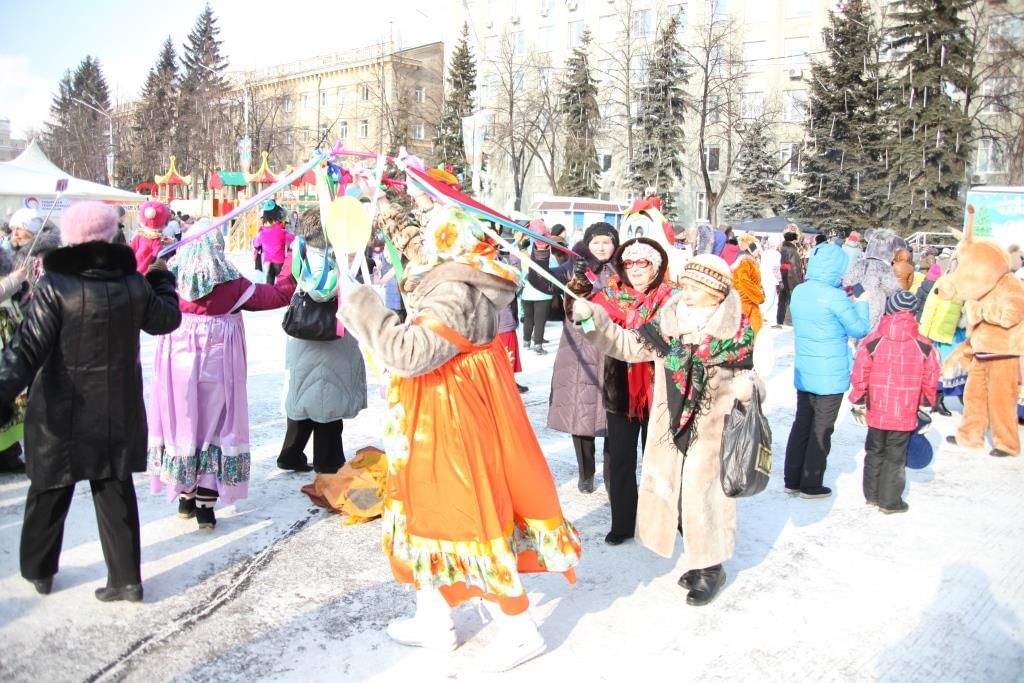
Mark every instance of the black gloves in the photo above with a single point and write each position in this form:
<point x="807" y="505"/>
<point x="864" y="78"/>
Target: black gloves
<point x="580" y="268"/>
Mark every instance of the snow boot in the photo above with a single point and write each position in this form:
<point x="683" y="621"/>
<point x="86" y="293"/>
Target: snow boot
<point x="706" y="585"/>
<point x="430" y="627"/>
<point x="899" y="507"/>
<point x="187" y="505"/>
<point x="688" y="578"/>
<point x="516" y="642"/>
<point x="940" y="406"/>
<point x="42" y="586"/>
<point x="584" y="447"/>
<point x="539" y="350"/>
<point x="816" y="492"/>
<point x="129" y="593"/>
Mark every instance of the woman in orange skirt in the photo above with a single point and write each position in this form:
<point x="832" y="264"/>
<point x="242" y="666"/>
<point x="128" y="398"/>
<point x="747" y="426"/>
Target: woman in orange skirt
<point x="471" y="504"/>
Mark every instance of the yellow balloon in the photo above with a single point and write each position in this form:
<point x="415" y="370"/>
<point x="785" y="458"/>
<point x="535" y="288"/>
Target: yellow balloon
<point x="348" y="225"/>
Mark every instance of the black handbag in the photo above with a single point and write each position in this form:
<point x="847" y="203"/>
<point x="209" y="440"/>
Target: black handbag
<point x="746" y="449"/>
<point x="308" y="319"/>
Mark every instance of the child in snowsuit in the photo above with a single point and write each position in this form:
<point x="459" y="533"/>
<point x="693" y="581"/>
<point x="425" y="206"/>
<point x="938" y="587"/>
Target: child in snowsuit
<point x="895" y="371"/>
<point x="148" y="240"/>
<point x="272" y="242"/>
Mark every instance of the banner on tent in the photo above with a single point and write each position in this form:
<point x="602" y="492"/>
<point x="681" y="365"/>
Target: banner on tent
<point x="43" y="205"/>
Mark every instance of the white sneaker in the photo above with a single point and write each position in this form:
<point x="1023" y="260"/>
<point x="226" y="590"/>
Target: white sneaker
<point x="431" y="627"/>
<point x="517" y="641"/>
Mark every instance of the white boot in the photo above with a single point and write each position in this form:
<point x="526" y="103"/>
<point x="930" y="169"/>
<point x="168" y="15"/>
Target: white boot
<point x="431" y="627"/>
<point x="516" y="641"/>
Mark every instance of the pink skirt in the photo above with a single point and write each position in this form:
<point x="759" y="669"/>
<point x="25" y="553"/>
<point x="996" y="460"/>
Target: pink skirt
<point x="198" y="410"/>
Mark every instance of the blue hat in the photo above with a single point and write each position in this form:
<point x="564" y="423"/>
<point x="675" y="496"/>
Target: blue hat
<point x="269" y="205"/>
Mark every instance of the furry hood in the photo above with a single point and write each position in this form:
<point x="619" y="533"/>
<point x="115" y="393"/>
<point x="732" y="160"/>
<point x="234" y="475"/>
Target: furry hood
<point x="48" y="240"/>
<point x="6" y="262"/>
<point x="723" y="323"/>
<point x="97" y="260"/>
<point x="498" y="290"/>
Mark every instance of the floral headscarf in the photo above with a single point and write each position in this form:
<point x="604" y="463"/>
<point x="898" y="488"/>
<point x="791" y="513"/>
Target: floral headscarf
<point x="202" y="265"/>
<point x="453" y="235"/>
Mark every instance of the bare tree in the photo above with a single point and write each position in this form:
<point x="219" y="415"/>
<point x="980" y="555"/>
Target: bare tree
<point x="545" y="132"/>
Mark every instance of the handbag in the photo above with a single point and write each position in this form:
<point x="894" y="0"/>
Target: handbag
<point x="307" y="318"/>
<point x="746" y="449"/>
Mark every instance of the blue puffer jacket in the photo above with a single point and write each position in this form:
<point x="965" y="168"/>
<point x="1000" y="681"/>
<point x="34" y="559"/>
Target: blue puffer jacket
<point x="823" y="320"/>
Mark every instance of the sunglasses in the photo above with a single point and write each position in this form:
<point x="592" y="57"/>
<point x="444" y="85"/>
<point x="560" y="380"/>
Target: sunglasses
<point x="639" y="263"/>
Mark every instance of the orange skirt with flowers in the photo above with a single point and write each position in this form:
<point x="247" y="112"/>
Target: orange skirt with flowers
<point x="471" y="503"/>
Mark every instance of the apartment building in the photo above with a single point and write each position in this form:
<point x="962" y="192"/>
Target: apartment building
<point x="776" y="41"/>
<point x="9" y="147"/>
<point x="365" y="97"/>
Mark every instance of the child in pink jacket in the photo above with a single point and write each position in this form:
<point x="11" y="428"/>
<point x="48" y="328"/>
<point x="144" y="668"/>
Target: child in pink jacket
<point x="272" y="241"/>
<point x="895" y="372"/>
<point x="148" y="240"/>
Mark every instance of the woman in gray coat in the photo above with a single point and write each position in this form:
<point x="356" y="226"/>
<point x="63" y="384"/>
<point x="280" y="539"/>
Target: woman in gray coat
<point x="576" y="405"/>
<point x="326" y="379"/>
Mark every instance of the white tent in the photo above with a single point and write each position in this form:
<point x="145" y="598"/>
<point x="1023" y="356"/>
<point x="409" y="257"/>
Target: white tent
<point x="31" y="179"/>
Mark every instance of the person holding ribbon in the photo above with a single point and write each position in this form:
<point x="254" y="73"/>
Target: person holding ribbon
<point x="198" y="407"/>
<point x="702" y="349"/>
<point x="471" y="504"/>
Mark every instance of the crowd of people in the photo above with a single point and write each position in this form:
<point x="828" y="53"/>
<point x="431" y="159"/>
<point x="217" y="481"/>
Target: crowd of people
<point x="656" y="346"/>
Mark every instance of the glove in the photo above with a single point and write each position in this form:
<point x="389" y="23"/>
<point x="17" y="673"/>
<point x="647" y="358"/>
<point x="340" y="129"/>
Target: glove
<point x="159" y="264"/>
<point x="924" y="421"/>
<point x="579" y="270"/>
<point x="859" y="413"/>
<point x="582" y="310"/>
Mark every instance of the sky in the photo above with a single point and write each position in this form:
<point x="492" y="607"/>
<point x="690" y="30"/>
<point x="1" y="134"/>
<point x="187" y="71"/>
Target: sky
<point x="53" y="36"/>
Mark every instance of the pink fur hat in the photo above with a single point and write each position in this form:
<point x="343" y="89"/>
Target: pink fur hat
<point x="154" y="215"/>
<point x="88" y="222"/>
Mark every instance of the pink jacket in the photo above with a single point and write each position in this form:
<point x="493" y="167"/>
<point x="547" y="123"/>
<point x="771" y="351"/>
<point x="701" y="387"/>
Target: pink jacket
<point x="895" y="371"/>
<point x="146" y="250"/>
<point x="275" y="240"/>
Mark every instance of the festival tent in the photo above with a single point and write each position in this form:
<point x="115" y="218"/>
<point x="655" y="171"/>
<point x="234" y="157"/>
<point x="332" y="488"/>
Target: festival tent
<point x="31" y="178"/>
<point x="774" y="225"/>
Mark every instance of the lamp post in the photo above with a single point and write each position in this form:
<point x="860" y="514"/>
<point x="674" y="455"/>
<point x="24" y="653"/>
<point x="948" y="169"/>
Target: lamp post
<point x="110" y="137"/>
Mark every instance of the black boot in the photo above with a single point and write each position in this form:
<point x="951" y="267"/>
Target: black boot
<point x="130" y="593"/>
<point x="687" y="579"/>
<point x="940" y="406"/>
<point x="10" y="460"/>
<point x="584" y="446"/>
<point x="43" y="586"/>
<point x="706" y="586"/>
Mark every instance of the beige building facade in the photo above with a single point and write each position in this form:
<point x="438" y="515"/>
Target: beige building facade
<point x="9" y="147"/>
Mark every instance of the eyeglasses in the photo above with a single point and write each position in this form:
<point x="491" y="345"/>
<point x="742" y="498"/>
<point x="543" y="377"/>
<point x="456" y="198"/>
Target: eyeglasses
<point x="639" y="263"/>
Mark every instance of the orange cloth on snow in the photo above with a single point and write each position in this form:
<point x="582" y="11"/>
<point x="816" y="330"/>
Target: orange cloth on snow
<point x="471" y="502"/>
<point x="746" y="280"/>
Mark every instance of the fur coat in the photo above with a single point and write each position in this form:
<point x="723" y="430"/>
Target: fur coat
<point x="673" y="482"/>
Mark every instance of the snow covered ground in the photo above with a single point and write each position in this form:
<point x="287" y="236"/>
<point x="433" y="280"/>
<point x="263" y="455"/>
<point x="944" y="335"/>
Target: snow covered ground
<point x="281" y="591"/>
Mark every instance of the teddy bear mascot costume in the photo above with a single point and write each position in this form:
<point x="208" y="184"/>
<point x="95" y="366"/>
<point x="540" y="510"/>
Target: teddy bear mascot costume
<point x="994" y="305"/>
<point x="470" y="502"/>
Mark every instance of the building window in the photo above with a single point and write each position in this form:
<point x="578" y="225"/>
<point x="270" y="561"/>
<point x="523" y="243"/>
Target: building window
<point x="714" y="108"/>
<point x="364" y="128"/>
<point x="795" y="8"/>
<point x="751" y="105"/>
<point x="364" y="93"/>
<point x="419" y="131"/>
<point x="306" y="101"/>
<point x="643" y="23"/>
<point x="605" y="159"/>
<point x="701" y="206"/>
<point x="639" y="69"/>
<point x="546" y="6"/>
<point x="608" y="28"/>
<point x="419" y="94"/>
<point x="712" y="155"/>
<point x="538" y="169"/>
<point x="289" y="105"/>
<point x="681" y="10"/>
<point x="718" y="9"/>
<point x="343" y="129"/>
<point x="1005" y="32"/>
<point x="323" y="99"/>
<point x="288" y="138"/>
<point x="519" y="43"/>
<point x="716" y="60"/>
<point x="605" y="196"/>
<point x="796" y="52"/>
<point x="794" y="105"/>
<point x="991" y="156"/>
<point x="790" y="160"/>
<point x="755" y="54"/>
<point x="545" y="39"/>
<point x="492" y="47"/>
<point x="576" y="29"/>
<point x="996" y="93"/>
<point x="323" y="132"/>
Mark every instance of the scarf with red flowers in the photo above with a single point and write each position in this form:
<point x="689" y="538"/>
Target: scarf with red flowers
<point x="631" y="309"/>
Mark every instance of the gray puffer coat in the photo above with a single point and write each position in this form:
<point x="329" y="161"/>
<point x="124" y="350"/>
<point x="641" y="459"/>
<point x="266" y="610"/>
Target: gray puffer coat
<point x="576" y="403"/>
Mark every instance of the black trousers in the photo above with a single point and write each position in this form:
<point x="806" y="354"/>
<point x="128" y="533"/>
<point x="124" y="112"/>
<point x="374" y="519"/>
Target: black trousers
<point x="328" y="452"/>
<point x="885" y="460"/>
<point x="810" y="439"/>
<point x="273" y="269"/>
<point x="783" y="305"/>
<point x="117" y="515"/>
<point x="535" y="314"/>
<point x="620" y="454"/>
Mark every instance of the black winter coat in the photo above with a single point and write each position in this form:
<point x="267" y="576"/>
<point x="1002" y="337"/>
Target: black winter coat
<point x="78" y="348"/>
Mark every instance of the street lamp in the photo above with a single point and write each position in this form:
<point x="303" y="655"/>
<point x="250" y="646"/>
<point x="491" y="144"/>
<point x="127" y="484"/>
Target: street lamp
<point x="110" y="137"/>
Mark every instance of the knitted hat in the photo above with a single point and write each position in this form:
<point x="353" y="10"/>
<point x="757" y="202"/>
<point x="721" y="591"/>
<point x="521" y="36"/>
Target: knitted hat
<point x="635" y="251"/>
<point x="601" y="228"/>
<point x="88" y="222"/>
<point x="854" y="236"/>
<point x="154" y="215"/>
<point x="26" y="219"/>
<point x="790" y="237"/>
<point x="538" y="226"/>
<point x="900" y="301"/>
<point x="710" y="273"/>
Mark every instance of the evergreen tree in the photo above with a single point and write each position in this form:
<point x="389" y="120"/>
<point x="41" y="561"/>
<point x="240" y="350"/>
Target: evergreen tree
<point x="929" y="146"/>
<point x="845" y="180"/>
<point x="658" y="143"/>
<point x="200" y="125"/>
<point x="761" y="193"/>
<point x="77" y="138"/>
<point x="153" y="125"/>
<point x="581" y="172"/>
<point x="458" y="102"/>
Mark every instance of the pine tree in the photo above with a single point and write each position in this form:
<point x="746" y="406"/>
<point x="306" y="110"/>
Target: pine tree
<point x="929" y="147"/>
<point x="761" y="193"/>
<point x="845" y="179"/>
<point x="658" y="143"/>
<point x="77" y="138"/>
<point x="458" y="102"/>
<point x="581" y="172"/>
<point x="154" y="119"/>
<point x="200" y="126"/>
